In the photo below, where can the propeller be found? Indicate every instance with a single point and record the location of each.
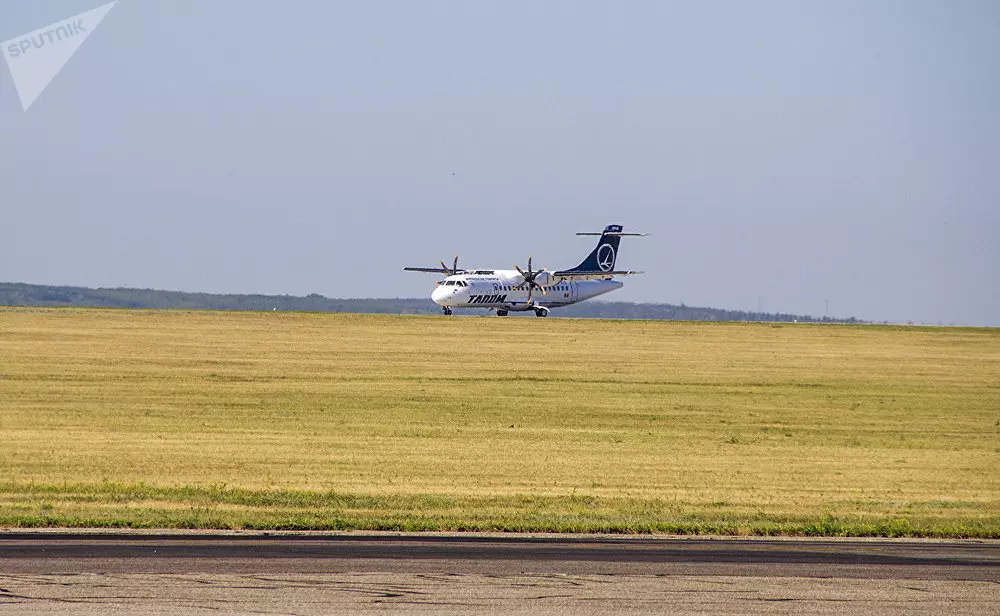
(449, 271)
(529, 279)
(453, 269)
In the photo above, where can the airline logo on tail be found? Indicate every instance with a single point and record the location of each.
(606, 257)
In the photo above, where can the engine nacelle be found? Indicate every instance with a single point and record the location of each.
(545, 279)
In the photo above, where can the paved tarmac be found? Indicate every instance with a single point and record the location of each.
(146, 573)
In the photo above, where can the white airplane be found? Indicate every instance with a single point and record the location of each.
(538, 290)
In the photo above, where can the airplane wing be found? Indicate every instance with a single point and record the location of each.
(432, 270)
(444, 269)
(571, 275)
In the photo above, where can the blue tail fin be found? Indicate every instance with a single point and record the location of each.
(603, 257)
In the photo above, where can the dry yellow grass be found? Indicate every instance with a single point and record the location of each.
(636, 422)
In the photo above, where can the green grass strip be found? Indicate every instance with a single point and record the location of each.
(140, 505)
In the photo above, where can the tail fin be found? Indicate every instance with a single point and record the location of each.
(603, 257)
(601, 262)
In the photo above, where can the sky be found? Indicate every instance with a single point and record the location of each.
(784, 156)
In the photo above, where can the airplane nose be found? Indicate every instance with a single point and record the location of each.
(438, 294)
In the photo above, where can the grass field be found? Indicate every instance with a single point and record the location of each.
(289, 420)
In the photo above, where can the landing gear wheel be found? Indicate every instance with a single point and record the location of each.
(447, 312)
(501, 313)
(541, 313)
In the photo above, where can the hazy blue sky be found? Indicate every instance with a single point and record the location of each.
(781, 153)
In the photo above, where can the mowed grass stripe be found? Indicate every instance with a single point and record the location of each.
(483, 423)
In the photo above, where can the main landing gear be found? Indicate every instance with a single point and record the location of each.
(541, 312)
(501, 312)
(447, 311)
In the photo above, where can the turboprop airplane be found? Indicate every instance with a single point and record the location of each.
(538, 290)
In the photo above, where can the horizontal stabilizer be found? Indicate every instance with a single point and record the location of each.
(617, 233)
(584, 275)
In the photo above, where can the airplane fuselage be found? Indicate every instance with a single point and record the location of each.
(498, 289)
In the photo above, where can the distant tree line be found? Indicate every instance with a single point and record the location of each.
(21, 294)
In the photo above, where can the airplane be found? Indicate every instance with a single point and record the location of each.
(539, 290)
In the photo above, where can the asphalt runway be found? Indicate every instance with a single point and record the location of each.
(60, 572)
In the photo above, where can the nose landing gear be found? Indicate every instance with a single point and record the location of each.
(447, 311)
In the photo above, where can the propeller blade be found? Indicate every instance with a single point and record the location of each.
(454, 267)
(444, 267)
